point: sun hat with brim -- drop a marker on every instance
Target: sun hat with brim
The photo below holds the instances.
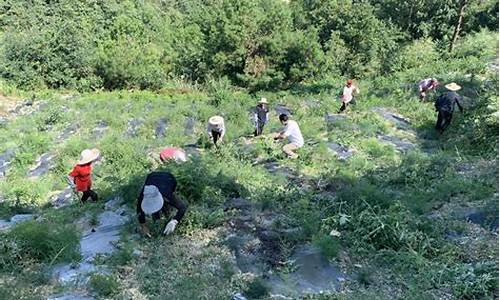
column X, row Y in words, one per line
column 262, row 101
column 88, row 155
column 152, row 200
column 216, row 120
column 452, row 86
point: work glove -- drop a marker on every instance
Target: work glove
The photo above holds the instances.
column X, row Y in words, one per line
column 170, row 227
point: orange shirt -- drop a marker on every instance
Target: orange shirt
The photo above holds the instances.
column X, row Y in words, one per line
column 82, row 175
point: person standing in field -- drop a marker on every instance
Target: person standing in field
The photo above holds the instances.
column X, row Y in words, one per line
column 426, row 85
column 157, row 194
column 445, row 104
column 216, row 129
column 292, row 132
column 348, row 94
column 80, row 177
column 261, row 115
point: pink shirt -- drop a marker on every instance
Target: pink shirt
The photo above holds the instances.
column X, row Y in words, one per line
column 425, row 85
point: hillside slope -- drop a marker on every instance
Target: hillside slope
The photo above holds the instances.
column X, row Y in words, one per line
column 376, row 206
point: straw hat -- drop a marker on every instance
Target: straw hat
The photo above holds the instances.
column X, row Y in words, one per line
column 88, row 155
column 216, row 120
column 152, row 200
column 262, row 101
column 452, row 87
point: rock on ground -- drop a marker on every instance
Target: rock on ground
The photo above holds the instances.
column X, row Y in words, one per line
column 96, row 240
column 5, row 160
column 342, row 152
column 398, row 120
column 313, row 274
column 282, row 109
column 400, row 144
column 189, row 126
column 63, row 198
column 98, row 131
column 161, row 128
column 133, row 126
column 42, row 166
column 67, row 132
column 20, row 218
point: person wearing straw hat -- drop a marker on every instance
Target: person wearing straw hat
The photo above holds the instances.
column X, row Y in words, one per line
column 348, row 95
column 426, row 85
column 216, row 129
column 261, row 115
column 292, row 132
column 157, row 194
column 81, row 176
column 445, row 105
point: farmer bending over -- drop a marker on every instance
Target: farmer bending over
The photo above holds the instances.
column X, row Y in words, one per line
column 216, row 129
column 445, row 104
column 156, row 195
column 292, row 132
column 426, row 85
column 81, row 176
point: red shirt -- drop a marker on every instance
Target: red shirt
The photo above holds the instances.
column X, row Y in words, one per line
column 83, row 177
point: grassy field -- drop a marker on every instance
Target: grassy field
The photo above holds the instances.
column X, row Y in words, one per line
column 400, row 215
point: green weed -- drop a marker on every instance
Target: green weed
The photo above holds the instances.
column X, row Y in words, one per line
column 104, row 285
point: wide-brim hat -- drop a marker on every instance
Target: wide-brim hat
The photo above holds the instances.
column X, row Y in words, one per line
column 452, row 86
column 152, row 200
column 88, row 155
column 262, row 101
column 216, row 120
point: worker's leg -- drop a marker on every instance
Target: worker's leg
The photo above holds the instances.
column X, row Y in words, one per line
column 86, row 195
column 422, row 96
column 447, row 120
column 288, row 150
column 343, row 107
column 439, row 122
column 260, row 128
column 215, row 136
column 93, row 195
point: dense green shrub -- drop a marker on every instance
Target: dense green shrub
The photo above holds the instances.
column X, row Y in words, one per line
column 104, row 285
column 258, row 44
column 39, row 242
column 416, row 55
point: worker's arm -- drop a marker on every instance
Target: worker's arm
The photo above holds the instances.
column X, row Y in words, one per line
column 180, row 206
column 457, row 100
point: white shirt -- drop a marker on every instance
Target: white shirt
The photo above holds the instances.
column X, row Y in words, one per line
column 220, row 128
column 292, row 132
column 347, row 94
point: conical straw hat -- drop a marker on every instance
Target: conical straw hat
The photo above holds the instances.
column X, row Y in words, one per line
column 452, row 87
column 88, row 155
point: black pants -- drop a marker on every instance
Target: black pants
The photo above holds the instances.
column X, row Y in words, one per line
column 89, row 194
column 215, row 136
column 443, row 120
column 259, row 128
column 344, row 105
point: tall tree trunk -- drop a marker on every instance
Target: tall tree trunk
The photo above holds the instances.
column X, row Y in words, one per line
column 459, row 25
